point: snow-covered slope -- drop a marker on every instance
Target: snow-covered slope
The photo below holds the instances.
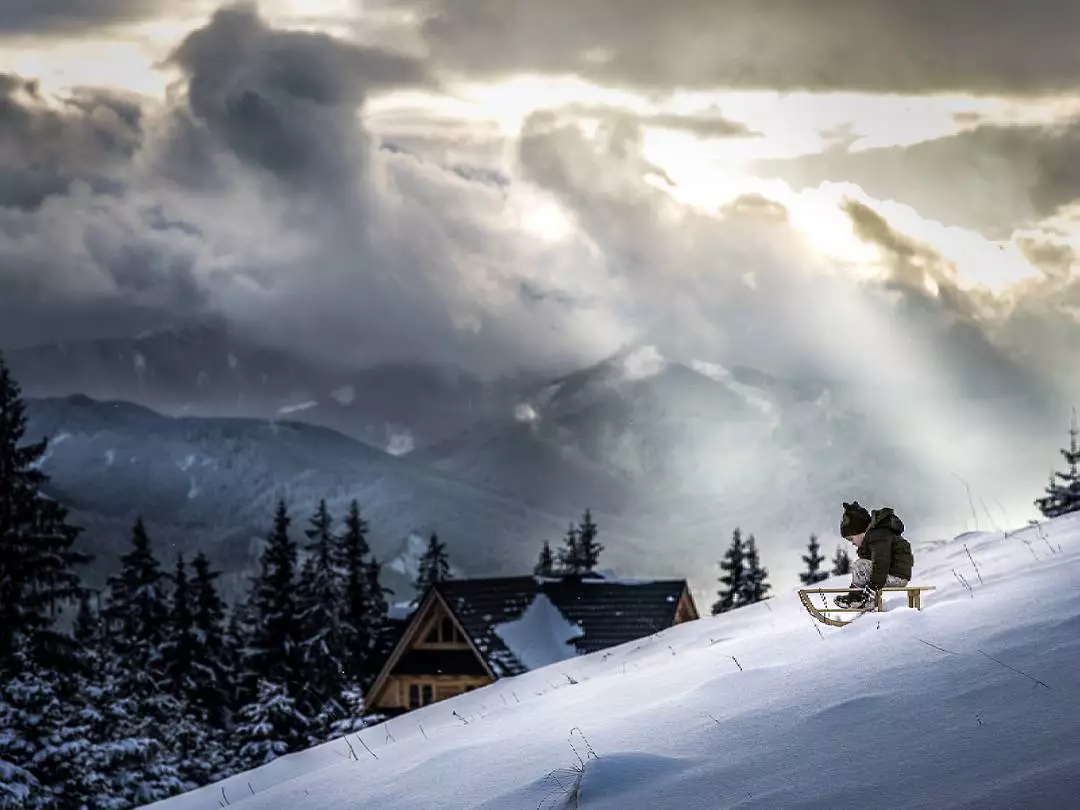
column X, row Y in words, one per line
column 971, row 703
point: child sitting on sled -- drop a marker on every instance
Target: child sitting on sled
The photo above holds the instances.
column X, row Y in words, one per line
column 884, row 555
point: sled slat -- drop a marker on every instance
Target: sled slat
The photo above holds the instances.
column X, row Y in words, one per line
column 914, row 598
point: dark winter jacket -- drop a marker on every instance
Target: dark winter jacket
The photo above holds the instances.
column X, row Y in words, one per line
column 886, row 546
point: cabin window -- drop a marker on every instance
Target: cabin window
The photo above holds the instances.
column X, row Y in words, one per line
column 420, row 695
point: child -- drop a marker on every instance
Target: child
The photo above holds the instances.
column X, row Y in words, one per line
column 884, row 555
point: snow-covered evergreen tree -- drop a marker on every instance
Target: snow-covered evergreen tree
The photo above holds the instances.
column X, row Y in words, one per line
column 588, row 548
column 178, row 649
column 136, row 609
column 754, row 585
column 274, row 648
column 213, row 687
column 569, row 555
column 545, row 566
column 732, row 578
column 37, row 546
column 352, row 719
column 813, row 560
column 1063, row 490
column 841, row 562
column 270, row 726
column 321, row 607
column 434, row 566
column 352, row 561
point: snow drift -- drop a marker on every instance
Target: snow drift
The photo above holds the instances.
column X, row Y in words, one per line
column 973, row 702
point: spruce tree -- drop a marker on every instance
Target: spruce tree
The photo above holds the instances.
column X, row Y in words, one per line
column 841, row 563
column 37, row 554
column 179, row 650
column 813, row 562
column 545, row 566
column 588, row 548
column 754, row 585
column 377, row 623
column 320, row 602
column 135, row 695
column 213, row 677
column 270, row 726
column 136, row 612
column 274, row 650
column 1063, row 491
column 356, row 599
column 569, row 556
column 732, row 578
column 434, row 566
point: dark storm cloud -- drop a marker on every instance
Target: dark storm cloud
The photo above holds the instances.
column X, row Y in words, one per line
column 282, row 101
column 47, row 144
column 992, row 178
column 873, row 45
column 18, row 17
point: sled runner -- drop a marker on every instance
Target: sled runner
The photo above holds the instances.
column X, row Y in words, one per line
column 914, row 600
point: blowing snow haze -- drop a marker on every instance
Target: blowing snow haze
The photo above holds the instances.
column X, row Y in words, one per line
column 697, row 266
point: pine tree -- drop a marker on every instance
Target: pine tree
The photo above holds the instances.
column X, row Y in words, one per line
column 179, row 649
column 320, row 601
column 569, row 556
column 136, row 612
column 545, row 566
column 813, row 562
column 274, row 651
column 732, row 578
column 377, row 620
column 270, row 726
column 754, row 585
column 136, row 689
column 37, row 558
column 1063, row 491
column 213, row 687
column 588, row 548
column 841, row 563
column 357, row 622
column 434, row 567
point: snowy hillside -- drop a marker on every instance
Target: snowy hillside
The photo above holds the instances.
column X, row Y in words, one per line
column 971, row 703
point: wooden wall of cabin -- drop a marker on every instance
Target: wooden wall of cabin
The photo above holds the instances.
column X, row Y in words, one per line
column 404, row 692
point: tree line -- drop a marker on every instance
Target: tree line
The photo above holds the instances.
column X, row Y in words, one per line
column 744, row 580
column 154, row 686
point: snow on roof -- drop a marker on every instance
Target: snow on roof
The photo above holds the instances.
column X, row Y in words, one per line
column 541, row 635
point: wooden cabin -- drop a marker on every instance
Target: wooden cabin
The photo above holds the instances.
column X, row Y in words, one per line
column 454, row 640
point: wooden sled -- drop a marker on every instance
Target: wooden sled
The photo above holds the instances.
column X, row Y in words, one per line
column 914, row 600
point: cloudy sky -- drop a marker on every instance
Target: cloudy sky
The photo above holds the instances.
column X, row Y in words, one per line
column 848, row 187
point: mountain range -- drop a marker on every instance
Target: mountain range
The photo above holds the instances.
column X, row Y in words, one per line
column 201, row 433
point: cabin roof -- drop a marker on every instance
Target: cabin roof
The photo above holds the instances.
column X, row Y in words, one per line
column 609, row 612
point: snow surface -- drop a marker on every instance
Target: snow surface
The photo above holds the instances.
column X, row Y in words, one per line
column 541, row 635
column 297, row 408
column 973, row 702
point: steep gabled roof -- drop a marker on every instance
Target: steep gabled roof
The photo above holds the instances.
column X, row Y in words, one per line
column 609, row 612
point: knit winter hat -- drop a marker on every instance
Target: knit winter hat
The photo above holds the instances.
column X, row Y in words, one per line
column 856, row 519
